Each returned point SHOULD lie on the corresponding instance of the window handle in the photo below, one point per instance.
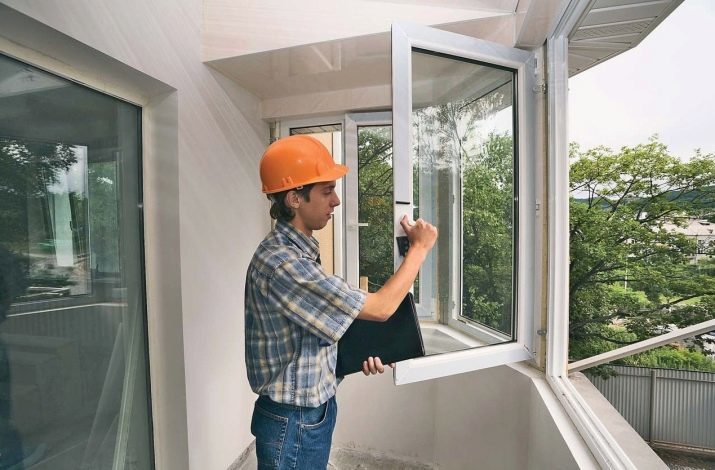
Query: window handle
(403, 244)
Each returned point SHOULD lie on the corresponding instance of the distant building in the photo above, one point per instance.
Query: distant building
(702, 230)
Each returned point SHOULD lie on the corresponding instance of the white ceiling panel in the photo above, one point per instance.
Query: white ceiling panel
(352, 73)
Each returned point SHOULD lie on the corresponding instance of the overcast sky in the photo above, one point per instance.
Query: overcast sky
(665, 85)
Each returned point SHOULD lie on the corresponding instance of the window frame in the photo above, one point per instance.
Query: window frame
(353, 123)
(139, 337)
(405, 38)
(601, 442)
(603, 445)
(159, 188)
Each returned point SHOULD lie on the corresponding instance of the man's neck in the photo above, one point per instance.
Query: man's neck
(301, 227)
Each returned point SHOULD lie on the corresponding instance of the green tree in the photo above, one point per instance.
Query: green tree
(375, 189)
(627, 268)
(487, 220)
(450, 141)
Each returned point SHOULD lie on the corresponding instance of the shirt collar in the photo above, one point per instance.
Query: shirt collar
(308, 245)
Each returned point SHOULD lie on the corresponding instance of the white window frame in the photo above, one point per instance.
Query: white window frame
(604, 447)
(353, 122)
(352, 232)
(405, 37)
(159, 123)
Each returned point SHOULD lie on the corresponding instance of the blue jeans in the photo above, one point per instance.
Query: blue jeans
(295, 437)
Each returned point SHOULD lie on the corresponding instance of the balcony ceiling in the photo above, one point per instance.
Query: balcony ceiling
(294, 72)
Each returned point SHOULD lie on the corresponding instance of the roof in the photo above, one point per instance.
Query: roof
(610, 27)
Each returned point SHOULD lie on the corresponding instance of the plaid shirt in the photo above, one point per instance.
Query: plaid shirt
(295, 315)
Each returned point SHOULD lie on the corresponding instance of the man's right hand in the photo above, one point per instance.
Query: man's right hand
(383, 303)
(420, 233)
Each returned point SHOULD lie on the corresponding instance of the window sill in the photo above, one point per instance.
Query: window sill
(638, 451)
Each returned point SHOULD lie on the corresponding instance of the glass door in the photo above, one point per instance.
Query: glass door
(462, 136)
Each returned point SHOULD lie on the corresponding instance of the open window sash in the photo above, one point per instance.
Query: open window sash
(435, 75)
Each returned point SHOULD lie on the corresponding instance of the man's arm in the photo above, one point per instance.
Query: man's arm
(380, 305)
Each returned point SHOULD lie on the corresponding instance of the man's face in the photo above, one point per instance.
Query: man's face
(316, 213)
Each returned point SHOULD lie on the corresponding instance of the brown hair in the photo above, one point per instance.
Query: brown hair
(279, 209)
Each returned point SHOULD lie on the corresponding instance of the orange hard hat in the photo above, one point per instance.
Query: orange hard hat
(295, 161)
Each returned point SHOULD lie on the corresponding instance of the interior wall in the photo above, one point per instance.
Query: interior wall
(504, 417)
(483, 419)
(223, 214)
(374, 414)
(546, 443)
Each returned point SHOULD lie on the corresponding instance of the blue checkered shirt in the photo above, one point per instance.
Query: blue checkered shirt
(295, 315)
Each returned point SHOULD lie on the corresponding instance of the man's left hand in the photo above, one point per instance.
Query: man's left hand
(374, 366)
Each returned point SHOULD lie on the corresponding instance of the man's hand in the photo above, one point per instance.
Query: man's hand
(374, 366)
(419, 232)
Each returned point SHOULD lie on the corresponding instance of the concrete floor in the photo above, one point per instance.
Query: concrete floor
(680, 460)
(348, 458)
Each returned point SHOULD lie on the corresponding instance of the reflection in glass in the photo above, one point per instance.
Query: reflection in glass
(463, 138)
(73, 356)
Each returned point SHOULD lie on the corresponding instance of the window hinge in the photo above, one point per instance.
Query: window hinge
(539, 88)
(541, 332)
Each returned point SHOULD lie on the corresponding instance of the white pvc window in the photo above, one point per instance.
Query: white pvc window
(369, 201)
(449, 93)
(605, 448)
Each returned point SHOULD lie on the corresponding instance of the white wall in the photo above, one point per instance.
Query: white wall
(374, 414)
(222, 212)
(503, 417)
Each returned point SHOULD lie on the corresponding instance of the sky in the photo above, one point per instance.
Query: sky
(664, 86)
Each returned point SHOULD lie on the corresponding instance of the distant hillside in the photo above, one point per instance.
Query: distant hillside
(707, 202)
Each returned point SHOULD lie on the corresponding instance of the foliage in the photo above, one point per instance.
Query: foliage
(487, 233)
(375, 208)
(445, 143)
(620, 205)
(672, 357)
(631, 277)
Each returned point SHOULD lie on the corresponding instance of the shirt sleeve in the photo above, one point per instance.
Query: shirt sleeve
(323, 304)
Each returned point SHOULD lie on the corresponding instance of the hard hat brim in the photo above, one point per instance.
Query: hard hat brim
(334, 173)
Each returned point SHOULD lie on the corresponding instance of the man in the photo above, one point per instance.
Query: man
(296, 313)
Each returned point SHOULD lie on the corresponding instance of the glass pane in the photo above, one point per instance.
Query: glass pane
(375, 194)
(463, 135)
(73, 356)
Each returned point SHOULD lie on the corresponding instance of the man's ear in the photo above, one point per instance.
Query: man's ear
(292, 199)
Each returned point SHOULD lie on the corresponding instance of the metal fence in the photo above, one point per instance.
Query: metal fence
(664, 405)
